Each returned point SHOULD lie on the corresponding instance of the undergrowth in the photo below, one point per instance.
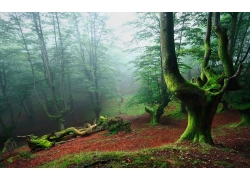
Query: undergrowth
(167, 156)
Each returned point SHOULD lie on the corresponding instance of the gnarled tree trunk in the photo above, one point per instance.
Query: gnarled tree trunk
(156, 113)
(201, 98)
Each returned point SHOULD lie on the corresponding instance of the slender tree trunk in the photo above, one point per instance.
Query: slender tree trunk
(233, 34)
(71, 100)
(92, 80)
(48, 74)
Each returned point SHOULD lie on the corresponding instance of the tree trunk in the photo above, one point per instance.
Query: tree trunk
(157, 112)
(97, 111)
(201, 101)
(61, 126)
(154, 119)
(224, 106)
(245, 117)
(183, 108)
(200, 120)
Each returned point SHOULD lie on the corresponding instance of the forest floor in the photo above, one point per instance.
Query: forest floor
(145, 146)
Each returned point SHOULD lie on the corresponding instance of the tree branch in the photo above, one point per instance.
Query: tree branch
(207, 46)
(226, 80)
(244, 58)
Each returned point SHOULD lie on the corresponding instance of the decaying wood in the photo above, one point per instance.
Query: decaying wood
(113, 126)
(49, 140)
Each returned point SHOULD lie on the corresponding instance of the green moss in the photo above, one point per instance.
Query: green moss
(26, 154)
(10, 160)
(153, 115)
(223, 52)
(199, 125)
(114, 125)
(42, 143)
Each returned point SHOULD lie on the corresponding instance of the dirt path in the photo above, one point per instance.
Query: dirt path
(142, 136)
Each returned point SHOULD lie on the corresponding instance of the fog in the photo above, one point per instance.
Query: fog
(63, 69)
(53, 63)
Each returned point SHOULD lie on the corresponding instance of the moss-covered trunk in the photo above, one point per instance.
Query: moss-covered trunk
(155, 114)
(245, 117)
(200, 119)
(201, 99)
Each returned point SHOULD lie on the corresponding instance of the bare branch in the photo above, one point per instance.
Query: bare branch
(244, 58)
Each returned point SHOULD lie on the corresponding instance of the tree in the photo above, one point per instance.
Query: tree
(93, 43)
(59, 107)
(239, 50)
(148, 67)
(12, 93)
(208, 89)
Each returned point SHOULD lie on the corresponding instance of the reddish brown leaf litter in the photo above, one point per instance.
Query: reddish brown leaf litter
(142, 136)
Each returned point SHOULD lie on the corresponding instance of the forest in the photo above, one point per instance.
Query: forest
(124, 90)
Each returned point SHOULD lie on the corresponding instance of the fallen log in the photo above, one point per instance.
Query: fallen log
(113, 126)
(49, 140)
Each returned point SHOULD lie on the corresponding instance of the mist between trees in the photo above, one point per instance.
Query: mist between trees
(60, 69)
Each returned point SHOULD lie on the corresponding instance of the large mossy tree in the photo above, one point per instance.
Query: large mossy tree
(203, 96)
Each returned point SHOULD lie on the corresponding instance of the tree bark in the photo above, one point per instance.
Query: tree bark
(232, 35)
(224, 106)
(158, 111)
(201, 102)
(199, 122)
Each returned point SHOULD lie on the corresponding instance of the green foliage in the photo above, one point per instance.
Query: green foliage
(10, 160)
(26, 154)
(113, 107)
(145, 96)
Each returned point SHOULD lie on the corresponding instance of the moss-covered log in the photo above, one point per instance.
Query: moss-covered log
(114, 125)
(49, 140)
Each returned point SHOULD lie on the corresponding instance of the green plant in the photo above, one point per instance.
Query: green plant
(10, 160)
(26, 154)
